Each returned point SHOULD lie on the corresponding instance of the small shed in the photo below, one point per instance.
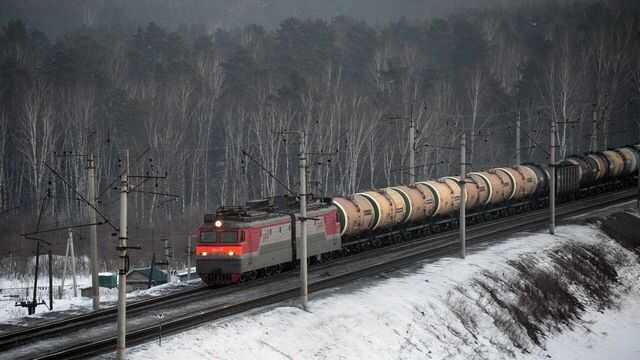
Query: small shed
(138, 278)
(107, 280)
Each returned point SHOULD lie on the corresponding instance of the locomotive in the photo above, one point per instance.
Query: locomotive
(239, 243)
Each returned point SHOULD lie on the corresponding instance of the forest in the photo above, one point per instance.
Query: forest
(187, 100)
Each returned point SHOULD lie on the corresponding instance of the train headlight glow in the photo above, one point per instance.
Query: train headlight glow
(204, 253)
(231, 253)
(218, 223)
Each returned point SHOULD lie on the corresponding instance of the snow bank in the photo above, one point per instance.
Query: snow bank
(11, 314)
(408, 316)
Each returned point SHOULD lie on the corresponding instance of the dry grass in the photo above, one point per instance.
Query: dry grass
(542, 295)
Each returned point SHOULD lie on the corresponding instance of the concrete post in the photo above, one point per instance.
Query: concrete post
(50, 279)
(303, 218)
(594, 129)
(552, 181)
(463, 196)
(518, 147)
(73, 264)
(189, 257)
(122, 274)
(93, 232)
(412, 148)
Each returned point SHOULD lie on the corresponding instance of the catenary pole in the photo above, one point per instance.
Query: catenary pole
(50, 279)
(303, 218)
(73, 264)
(518, 147)
(189, 257)
(93, 232)
(122, 274)
(32, 309)
(463, 196)
(412, 147)
(605, 128)
(64, 267)
(552, 181)
(594, 129)
(638, 175)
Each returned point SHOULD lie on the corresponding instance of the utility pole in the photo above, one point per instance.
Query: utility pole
(93, 232)
(50, 279)
(189, 257)
(552, 181)
(605, 128)
(463, 196)
(124, 265)
(73, 265)
(303, 219)
(518, 148)
(167, 254)
(412, 147)
(594, 129)
(32, 309)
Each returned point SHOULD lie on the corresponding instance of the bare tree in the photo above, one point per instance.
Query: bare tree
(38, 134)
(562, 84)
(210, 72)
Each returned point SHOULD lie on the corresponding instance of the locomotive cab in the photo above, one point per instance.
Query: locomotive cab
(219, 251)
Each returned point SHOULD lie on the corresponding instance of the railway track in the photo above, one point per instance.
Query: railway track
(94, 333)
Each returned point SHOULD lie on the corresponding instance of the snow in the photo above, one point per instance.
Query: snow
(609, 335)
(11, 314)
(408, 314)
(186, 271)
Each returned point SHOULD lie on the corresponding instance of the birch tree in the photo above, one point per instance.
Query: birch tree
(37, 135)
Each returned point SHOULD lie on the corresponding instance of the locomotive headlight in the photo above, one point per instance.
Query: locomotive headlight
(231, 253)
(204, 253)
(218, 223)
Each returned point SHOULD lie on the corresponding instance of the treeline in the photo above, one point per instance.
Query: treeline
(187, 103)
(60, 16)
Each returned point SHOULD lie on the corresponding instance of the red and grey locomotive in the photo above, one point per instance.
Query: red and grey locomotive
(240, 242)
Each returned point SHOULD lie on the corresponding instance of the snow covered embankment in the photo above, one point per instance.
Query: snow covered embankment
(511, 300)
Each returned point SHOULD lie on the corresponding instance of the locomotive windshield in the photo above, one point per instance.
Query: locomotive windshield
(228, 237)
(208, 237)
(225, 237)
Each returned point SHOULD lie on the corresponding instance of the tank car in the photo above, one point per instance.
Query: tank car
(587, 168)
(567, 180)
(355, 214)
(419, 201)
(446, 193)
(631, 158)
(389, 208)
(616, 163)
(599, 165)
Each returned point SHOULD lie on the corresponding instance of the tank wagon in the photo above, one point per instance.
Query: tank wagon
(262, 237)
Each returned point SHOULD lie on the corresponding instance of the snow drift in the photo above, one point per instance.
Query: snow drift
(510, 300)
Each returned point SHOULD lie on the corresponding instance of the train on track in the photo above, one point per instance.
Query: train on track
(261, 238)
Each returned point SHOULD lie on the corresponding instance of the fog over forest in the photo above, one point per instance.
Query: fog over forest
(59, 16)
(187, 86)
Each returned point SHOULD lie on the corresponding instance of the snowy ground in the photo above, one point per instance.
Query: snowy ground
(409, 315)
(11, 314)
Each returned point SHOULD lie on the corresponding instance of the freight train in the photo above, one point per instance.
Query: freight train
(239, 243)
